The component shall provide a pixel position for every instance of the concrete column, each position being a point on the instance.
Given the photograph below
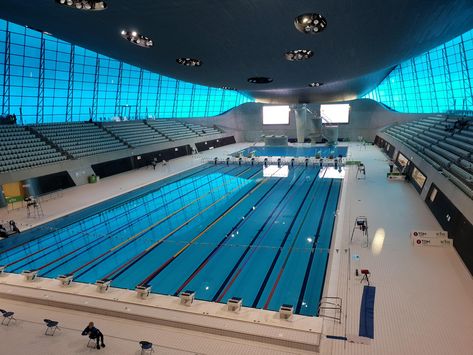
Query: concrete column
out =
(300, 114)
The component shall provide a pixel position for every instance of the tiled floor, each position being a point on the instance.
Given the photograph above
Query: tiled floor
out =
(424, 297)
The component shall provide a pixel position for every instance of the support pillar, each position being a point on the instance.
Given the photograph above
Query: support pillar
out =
(300, 114)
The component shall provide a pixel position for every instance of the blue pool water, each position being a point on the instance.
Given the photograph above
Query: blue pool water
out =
(290, 151)
(221, 231)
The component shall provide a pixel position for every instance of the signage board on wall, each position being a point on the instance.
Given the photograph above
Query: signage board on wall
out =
(422, 238)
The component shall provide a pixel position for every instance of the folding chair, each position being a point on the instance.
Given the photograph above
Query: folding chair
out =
(92, 343)
(7, 316)
(51, 326)
(146, 347)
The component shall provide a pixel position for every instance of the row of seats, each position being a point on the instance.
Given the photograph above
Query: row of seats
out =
(135, 133)
(202, 130)
(80, 139)
(448, 150)
(21, 149)
(174, 130)
(28, 146)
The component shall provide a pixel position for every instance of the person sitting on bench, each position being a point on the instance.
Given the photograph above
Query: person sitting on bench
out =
(94, 333)
(13, 226)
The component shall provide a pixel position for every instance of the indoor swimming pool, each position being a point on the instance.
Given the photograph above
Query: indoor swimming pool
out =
(294, 151)
(220, 230)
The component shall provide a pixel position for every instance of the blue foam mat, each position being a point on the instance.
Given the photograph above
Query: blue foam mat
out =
(367, 312)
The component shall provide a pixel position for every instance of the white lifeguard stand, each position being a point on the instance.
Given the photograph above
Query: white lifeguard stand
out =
(361, 224)
(33, 207)
(361, 172)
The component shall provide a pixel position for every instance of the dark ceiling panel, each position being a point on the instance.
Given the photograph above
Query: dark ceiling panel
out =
(238, 39)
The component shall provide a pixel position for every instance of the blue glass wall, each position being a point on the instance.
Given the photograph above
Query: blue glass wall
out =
(436, 81)
(54, 81)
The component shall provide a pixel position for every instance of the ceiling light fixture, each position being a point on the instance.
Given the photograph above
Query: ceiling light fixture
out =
(298, 54)
(310, 23)
(86, 5)
(260, 80)
(227, 88)
(135, 38)
(315, 85)
(189, 62)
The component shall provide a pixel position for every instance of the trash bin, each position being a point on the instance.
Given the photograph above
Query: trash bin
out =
(92, 179)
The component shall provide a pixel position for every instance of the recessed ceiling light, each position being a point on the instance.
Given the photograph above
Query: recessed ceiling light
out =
(315, 85)
(310, 23)
(189, 62)
(227, 88)
(86, 5)
(298, 54)
(260, 80)
(135, 38)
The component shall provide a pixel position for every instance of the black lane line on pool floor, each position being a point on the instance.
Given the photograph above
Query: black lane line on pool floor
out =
(107, 236)
(74, 217)
(150, 277)
(112, 251)
(226, 238)
(278, 253)
(224, 286)
(312, 253)
(80, 234)
(125, 266)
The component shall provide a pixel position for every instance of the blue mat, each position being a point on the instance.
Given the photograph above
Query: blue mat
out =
(367, 312)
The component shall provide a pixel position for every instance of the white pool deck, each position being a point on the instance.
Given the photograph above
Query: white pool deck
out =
(424, 296)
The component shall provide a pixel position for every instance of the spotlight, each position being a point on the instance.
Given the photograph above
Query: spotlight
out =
(136, 38)
(189, 62)
(315, 84)
(310, 23)
(260, 80)
(298, 54)
(86, 5)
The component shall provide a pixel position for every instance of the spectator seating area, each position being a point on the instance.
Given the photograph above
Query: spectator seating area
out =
(28, 146)
(135, 133)
(21, 149)
(202, 130)
(79, 139)
(174, 130)
(445, 142)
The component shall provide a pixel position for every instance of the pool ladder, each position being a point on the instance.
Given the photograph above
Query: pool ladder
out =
(331, 304)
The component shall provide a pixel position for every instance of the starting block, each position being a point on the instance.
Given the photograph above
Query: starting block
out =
(187, 297)
(234, 304)
(103, 285)
(143, 291)
(286, 311)
(30, 275)
(65, 280)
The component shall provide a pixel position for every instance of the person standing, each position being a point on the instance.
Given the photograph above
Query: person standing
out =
(94, 333)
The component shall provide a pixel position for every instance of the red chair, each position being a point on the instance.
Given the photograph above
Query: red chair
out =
(366, 275)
